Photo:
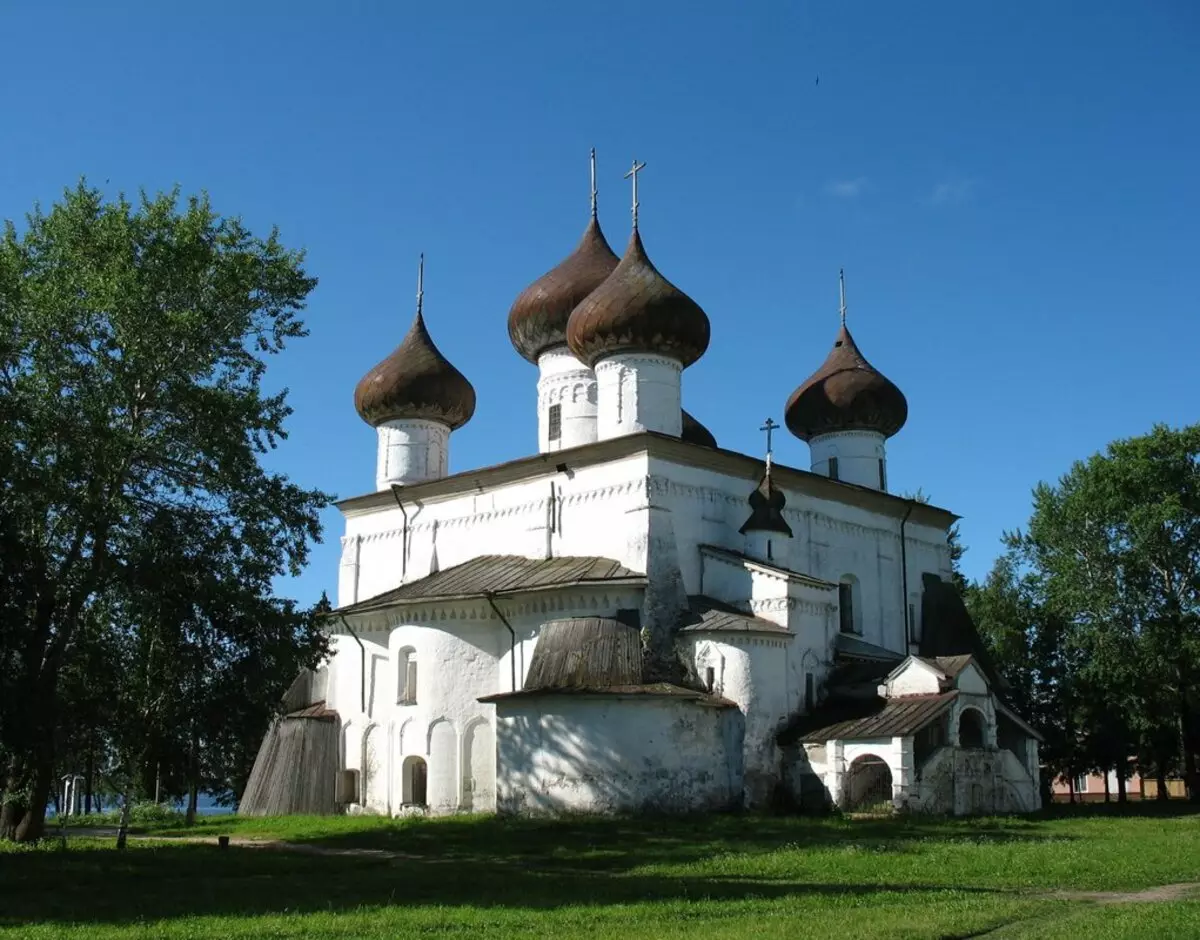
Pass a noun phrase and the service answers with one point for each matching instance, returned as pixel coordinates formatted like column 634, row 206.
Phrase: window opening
column 710, row 678
column 833, row 469
column 555, row 422
column 846, row 607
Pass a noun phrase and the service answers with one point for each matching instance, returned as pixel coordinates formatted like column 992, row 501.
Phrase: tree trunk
column 1107, row 787
column 13, row 808
column 89, row 777
column 193, row 777
column 1071, row 787
column 1122, row 791
column 123, row 828
column 33, row 823
column 1160, row 777
column 1187, row 757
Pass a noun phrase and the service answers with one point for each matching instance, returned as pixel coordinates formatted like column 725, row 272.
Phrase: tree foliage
column 1095, row 610
column 139, row 531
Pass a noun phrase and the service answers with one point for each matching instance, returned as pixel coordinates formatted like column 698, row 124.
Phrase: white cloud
column 952, row 192
column 847, row 189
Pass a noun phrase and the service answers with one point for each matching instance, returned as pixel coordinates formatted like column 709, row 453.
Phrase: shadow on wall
column 562, row 753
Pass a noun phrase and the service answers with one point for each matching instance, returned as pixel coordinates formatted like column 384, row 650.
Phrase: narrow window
column 810, row 692
column 833, row 469
column 769, row 556
column 882, row 476
column 710, row 678
column 846, row 607
column 555, row 422
column 410, row 682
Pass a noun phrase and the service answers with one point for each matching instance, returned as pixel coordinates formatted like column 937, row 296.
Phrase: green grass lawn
column 713, row 876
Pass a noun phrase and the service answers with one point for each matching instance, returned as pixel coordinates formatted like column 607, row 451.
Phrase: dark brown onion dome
column 637, row 310
column 846, row 394
column 696, row 433
column 766, row 509
column 538, row 318
column 415, row 382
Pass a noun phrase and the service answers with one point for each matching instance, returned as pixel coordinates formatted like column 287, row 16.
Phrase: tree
column 133, row 343
column 1117, row 544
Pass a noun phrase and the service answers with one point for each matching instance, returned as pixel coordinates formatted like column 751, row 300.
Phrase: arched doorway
column 415, row 786
column 970, row 728
column 869, row 785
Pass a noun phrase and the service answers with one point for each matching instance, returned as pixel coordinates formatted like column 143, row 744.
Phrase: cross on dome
column 632, row 174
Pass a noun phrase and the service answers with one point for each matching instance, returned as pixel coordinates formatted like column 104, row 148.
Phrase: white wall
column 574, row 753
column 565, row 381
column 639, row 392
column 411, row 451
column 858, row 455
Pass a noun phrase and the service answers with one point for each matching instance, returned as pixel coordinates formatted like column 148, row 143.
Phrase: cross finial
column 632, row 174
column 420, row 283
column 593, row 182
column 842, row 294
column 769, row 427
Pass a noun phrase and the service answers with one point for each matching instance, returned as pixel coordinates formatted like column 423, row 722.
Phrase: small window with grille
column 833, row 469
column 555, row 422
column 882, row 476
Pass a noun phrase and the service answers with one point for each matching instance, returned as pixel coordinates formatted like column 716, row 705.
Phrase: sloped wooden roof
column 585, row 652
column 708, row 615
column 500, row 575
column 897, row 717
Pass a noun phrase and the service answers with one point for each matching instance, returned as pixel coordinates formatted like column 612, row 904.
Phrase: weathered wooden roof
column 708, row 615
column 500, row 575
column 951, row 666
column 725, row 554
column 848, row 646
column 585, row 652
column 897, row 717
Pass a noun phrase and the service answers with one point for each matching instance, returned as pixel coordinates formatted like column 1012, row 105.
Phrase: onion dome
column 415, row 382
column 696, row 433
column 637, row 310
column 538, row 318
column 846, row 394
column 766, row 508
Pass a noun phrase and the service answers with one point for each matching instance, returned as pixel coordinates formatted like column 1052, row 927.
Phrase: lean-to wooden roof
column 898, row 717
column 500, row 575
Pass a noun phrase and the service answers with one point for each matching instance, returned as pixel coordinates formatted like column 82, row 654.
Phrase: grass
column 715, row 876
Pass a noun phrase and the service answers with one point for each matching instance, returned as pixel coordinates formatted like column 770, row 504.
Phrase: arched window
column 406, row 676
column 970, row 728
column 849, row 616
column 414, row 782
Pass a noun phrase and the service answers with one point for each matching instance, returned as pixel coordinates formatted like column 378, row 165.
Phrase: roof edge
column 663, row 446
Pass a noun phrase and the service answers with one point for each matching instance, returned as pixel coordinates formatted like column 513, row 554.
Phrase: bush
column 140, row 814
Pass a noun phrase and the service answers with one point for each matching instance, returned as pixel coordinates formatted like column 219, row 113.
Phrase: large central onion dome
column 846, row 394
column 538, row 318
column 637, row 310
column 416, row 382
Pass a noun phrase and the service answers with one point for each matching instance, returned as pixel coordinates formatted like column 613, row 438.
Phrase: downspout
column 403, row 533
column 362, row 671
column 512, row 642
column 904, row 576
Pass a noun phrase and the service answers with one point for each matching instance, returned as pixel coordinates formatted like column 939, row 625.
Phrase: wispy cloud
column 952, row 192
column 847, row 189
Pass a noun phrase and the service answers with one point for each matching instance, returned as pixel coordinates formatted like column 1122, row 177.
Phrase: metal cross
column 842, row 293
column 632, row 174
column 769, row 427
column 420, row 283
column 593, row 182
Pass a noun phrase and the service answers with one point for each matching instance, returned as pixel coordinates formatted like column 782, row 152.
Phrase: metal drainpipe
column 904, row 576
column 362, row 672
column 512, row 643
column 403, row 532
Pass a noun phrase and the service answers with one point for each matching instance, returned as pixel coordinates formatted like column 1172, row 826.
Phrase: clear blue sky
column 1011, row 188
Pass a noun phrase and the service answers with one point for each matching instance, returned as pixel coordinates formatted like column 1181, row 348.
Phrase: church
column 634, row 618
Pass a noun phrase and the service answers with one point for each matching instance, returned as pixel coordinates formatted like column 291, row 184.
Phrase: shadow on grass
column 478, row 862
column 170, row 881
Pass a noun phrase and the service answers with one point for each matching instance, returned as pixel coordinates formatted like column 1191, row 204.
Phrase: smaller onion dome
column 539, row 315
column 766, row 508
column 696, row 433
column 416, row 382
column 637, row 310
column 846, row 394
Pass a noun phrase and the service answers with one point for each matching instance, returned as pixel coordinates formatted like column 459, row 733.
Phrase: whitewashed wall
column 574, row 753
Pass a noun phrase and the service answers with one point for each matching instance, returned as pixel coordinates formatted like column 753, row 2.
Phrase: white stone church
column 634, row 618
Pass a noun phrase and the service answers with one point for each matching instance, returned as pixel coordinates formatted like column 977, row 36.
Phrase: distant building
column 633, row 618
column 1090, row 787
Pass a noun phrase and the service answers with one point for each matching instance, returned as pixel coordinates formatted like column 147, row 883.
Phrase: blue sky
column 1011, row 188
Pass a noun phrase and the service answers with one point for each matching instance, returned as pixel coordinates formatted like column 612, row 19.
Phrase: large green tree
column 1116, row 544
column 134, row 337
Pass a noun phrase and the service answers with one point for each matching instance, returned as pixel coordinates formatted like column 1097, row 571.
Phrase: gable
column 971, row 679
column 914, row 676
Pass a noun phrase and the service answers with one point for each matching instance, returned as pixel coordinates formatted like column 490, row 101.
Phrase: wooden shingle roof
column 501, row 575
column 897, row 717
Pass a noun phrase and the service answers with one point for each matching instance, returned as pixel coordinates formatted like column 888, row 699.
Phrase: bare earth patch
column 1160, row 893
